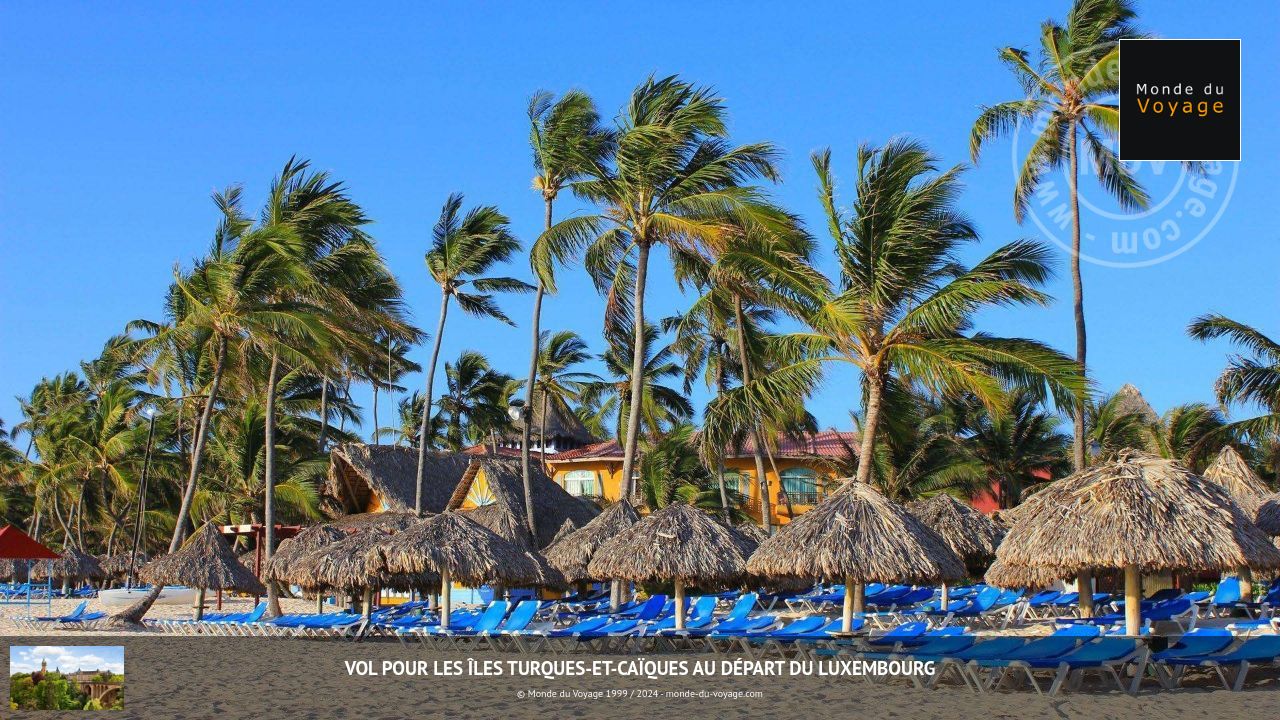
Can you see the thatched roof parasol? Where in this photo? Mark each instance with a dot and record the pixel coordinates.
(970, 534)
(72, 563)
(504, 522)
(206, 562)
(860, 535)
(290, 551)
(1268, 518)
(678, 543)
(1003, 575)
(344, 565)
(470, 552)
(1136, 510)
(1138, 513)
(570, 555)
(117, 566)
(13, 570)
(459, 549)
(567, 528)
(1234, 474)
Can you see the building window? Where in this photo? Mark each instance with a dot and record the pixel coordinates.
(737, 482)
(581, 483)
(801, 485)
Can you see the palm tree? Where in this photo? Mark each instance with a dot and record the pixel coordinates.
(559, 385)
(919, 457)
(1191, 432)
(1078, 72)
(675, 182)
(463, 248)
(385, 371)
(903, 300)
(1018, 443)
(567, 141)
(1112, 425)
(1253, 377)
(670, 471)
(609, 401)
(475, 403)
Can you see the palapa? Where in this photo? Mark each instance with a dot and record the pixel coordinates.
(678, 543)
(291, 550)
(861, 536)
(205, 562)
(1138, 513)
(1269, 515)
(457, 548)
(571, 554)
(971, 535)
(72, 564)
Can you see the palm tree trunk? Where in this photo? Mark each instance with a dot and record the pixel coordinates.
(375, 414)
(426, 404)
(197, 453)
(872, 416)
(133, 614)
(637, 373)
(782, 490)
(526, 431)
(269, 483)
(1077, 287)
(744, 361)
(724, 494)
(324, 411)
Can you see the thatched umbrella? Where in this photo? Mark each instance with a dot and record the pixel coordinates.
(861, 536)
(970, 534)
(1234, 474)
(1137, 513)
(678, 543)
(567, 528)
(571, 554)
(72, 564)
(13, 570)
(117, 566)
(205, 562)
(1268, 518)
(345, 566)
(458, 549)
(390, 521)
(293, 549)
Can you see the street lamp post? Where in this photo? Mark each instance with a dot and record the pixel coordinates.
(150, 412)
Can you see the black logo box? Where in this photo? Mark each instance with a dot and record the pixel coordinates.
(1157, 80)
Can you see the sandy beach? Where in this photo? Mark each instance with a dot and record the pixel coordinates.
(189, 678)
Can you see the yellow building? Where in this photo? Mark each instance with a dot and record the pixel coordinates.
(804, 469)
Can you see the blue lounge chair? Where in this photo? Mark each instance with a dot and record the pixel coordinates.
(492, 616)
(959, 660)
(1254, 651)
(521, 616)
(975, 608)
(1059, 643)
(1103, 655)
(1225, 596)
(1201, 641)
(1180, 611)
(532, 640)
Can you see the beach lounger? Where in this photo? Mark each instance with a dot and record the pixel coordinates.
(1202, 641)
(1059, 643)
(1180, 611)
(534, 639)
(1264, 649)
(519, 620)
(1225, 596)
(1105, 655)
(959, 660)
(488, 620)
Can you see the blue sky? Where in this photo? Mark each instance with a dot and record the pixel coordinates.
(115, 127)
(67, 658)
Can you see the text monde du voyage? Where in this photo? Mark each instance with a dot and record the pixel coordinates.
(1180, 99)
